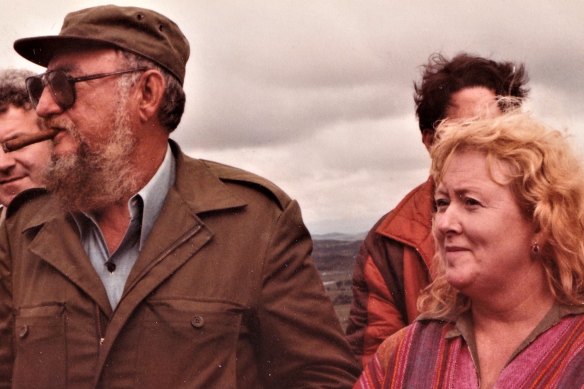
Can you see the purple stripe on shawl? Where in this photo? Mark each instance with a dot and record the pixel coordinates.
(414, 365)
(573, 375)
(554, 357)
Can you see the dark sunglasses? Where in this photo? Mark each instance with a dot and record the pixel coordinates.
(62, 85)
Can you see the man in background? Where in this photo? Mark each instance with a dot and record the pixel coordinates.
(24, 168)
(141, 267)
(394, 262)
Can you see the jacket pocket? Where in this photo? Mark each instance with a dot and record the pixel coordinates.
(188, 344)
(40, 346)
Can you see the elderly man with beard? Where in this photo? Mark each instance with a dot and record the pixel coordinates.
(141, 267)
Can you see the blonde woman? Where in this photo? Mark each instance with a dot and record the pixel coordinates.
(507, 302)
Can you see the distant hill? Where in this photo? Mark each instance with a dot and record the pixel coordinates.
(335, 260)
(340, 236)
(335, 255)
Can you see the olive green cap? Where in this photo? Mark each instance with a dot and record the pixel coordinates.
(137, 30)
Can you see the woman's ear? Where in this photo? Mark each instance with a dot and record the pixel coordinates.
(538, 242)
(151, 87)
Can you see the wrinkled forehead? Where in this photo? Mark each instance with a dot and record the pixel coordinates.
(77, 59)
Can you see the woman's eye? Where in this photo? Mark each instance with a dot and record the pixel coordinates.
(441, 204)
(469, 201)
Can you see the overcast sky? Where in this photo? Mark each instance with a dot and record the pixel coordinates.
(317, 95)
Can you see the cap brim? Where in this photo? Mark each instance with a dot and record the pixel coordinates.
(41, 49)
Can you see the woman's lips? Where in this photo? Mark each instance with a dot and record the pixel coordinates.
(451, 249)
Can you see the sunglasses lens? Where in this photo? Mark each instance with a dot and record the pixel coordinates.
(62, 89)
(34, 86)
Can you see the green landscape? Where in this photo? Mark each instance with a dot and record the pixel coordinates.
(334, 255)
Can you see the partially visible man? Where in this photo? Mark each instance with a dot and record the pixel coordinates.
(20, 169)
(394, 262)
(142, 267)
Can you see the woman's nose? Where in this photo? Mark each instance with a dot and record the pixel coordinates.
(447, 220)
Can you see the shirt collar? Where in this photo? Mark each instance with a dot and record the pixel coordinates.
(463, 325)
(152, 195)
(147, 203)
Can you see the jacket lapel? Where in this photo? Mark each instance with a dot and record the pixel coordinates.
(176, 225)
(196, 191)
(178, 234)
(57, 243)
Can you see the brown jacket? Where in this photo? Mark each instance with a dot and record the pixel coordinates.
(223, 295)
(390, 271)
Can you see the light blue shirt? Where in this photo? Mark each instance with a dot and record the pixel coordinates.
(144, 209)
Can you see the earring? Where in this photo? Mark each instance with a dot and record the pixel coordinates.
(535, 248)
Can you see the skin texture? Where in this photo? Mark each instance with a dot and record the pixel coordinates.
(24, 168)
(483, 237)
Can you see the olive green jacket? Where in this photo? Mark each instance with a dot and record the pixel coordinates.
(223, 295)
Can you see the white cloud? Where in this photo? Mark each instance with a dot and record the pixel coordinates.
(344, 175)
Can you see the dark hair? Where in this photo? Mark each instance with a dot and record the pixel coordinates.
(441, 78)
(173, 100)
(13, 88)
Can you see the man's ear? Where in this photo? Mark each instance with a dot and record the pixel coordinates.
(428, 138)
(151, 90)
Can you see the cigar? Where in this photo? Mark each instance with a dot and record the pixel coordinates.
(28, 139)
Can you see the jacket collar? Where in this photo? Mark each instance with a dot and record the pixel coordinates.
(200, 189)
(410, 222)
(196, 191)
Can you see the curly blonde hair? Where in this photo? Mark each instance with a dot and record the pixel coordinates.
(547, 180)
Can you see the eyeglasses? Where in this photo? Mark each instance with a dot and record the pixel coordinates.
(62, 85)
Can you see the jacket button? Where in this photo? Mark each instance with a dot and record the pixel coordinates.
(198, 321)
(23, 332)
